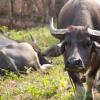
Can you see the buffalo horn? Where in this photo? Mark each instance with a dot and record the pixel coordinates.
(94, 34)
(58, 33)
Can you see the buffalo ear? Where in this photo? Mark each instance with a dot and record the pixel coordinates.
(54, 51)
(96, 47)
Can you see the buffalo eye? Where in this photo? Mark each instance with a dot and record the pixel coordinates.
(67, 43)
(87, 44)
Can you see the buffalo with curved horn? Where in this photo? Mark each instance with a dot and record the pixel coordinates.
(79, 34)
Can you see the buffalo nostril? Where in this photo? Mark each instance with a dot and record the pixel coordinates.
(74, 62)
(69, 62)
(78, 62)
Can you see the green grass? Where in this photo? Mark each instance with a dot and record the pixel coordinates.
(52, 84)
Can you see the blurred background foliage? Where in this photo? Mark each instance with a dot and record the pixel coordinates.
(28, 13)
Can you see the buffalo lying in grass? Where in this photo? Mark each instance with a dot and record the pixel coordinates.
(14, 56)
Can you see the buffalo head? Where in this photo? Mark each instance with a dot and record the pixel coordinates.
(77, 46)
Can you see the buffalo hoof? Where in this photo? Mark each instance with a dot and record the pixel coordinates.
(45, 66)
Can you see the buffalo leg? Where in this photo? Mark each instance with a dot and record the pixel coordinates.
(38, 66)
(98, 81)
(36, 63)
(80, 91)
(90, 80)
(8, 63)
(12, 66)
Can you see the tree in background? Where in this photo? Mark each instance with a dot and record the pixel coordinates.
(28, 13)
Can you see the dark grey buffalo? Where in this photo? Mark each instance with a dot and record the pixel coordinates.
(14, 56)
(79, 35)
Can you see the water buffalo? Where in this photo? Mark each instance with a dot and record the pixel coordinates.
(79, 35)
(14, 56)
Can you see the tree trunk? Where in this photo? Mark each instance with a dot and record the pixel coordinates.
(28, 13)
(11, 14)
